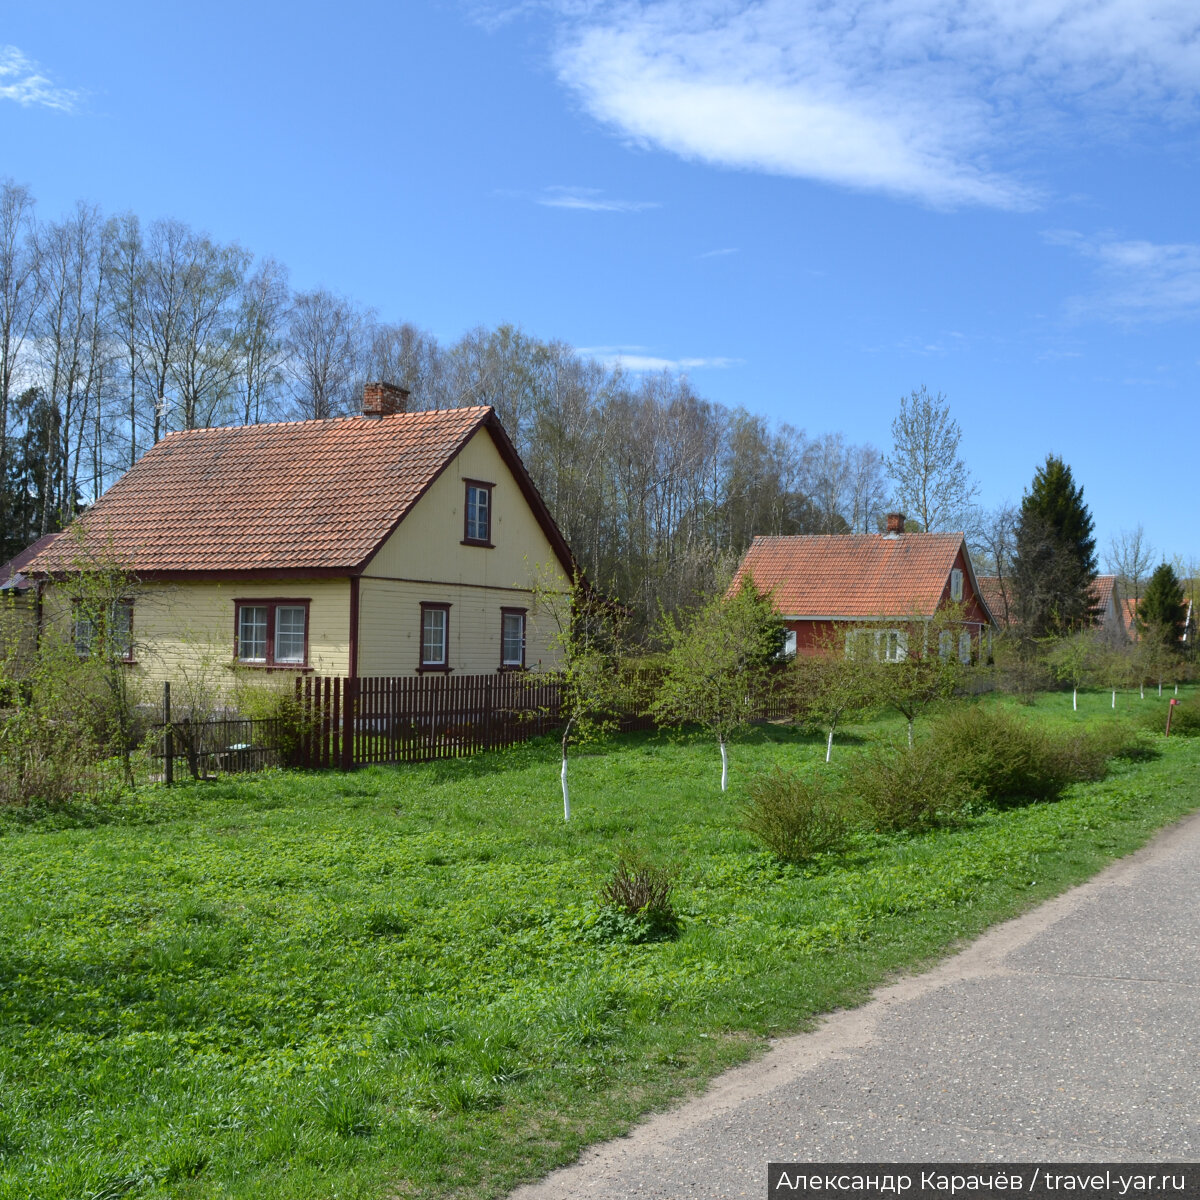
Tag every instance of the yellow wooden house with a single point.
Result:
(390, 543)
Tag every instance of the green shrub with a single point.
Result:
(1006, 758)
(1185, 722)
(635, 903)
(1084, 757)
(796, 817)
(1003, 756)
(912, 787)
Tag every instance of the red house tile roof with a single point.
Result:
(1101, 593)
(853, 575)
(298, 496)
(994, 597)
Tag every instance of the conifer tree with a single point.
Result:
(1162, 610)
(1056, 554)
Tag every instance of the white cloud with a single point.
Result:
(590, 200)
(21, 80)
(718, 253)
(909, 97)
(1139, 280)
(635, 358)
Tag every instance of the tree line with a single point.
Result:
(115, 331)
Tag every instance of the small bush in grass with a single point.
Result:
(1084, 757)
(796, 817)
(635, 903)
(1185, 721)
(912, 787)
(1001, 754)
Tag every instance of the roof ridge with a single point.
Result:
(420, 412)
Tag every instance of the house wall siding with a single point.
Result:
(389, 627)
(424, 560)
(186, 630)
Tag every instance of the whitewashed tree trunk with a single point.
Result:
(910, 725)
(566, 794)
(724, 765)
(1075, 699)
(829, 745)
(1114, 703)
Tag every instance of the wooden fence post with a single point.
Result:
(169, 738)
(349, 699)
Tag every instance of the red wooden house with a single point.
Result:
(877, 586)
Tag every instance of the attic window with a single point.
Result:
(956, 584)
(477, 524)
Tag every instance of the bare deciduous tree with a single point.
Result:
(1130, 556)
(324, 350)
(19, 283)
(933, 484)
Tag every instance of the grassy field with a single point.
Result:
(392, 983)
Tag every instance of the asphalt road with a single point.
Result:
(1071, 1034)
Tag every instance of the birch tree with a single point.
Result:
(933, 484)
(19, 287)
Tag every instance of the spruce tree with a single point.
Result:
(1056, 554)
(1162, 610)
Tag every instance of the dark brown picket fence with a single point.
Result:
(349, 723)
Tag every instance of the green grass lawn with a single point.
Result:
(389, 983)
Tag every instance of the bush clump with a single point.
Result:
(796, 818)
(912, 787)
(1185, 721)
(635, 902)
(1004, 756)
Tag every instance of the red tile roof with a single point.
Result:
(994, 597)
(1101, 591)
(853, 575)
(295, 496)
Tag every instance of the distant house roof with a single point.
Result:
(839, 576)
(1101, 593)
(297, 497)
(12, 576)
(998, 598)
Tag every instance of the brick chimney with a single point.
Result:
(383, 399)
(895, 524)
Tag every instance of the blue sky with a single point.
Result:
(811, 207)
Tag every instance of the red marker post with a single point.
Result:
(1170, 710)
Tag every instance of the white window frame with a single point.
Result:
(956, 585)
(964, 648)
(435, 619)
(507, 661)
(895, 645)
(271, 608)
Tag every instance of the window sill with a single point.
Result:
(511, 668)
(433, 669)
(300, 668)
(477, 542)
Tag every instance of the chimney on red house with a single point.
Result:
(384, 399)
(895, 524)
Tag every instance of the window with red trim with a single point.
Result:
(271, 633)
(477, 513)
(435, 637)
(512, 638)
